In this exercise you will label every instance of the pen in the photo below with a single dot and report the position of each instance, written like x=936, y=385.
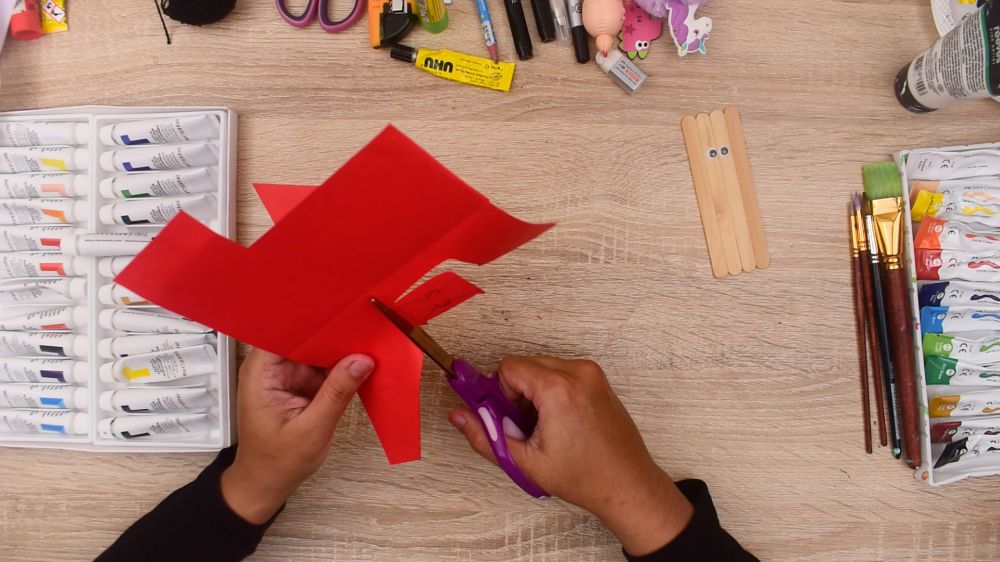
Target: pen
x=488, y=35
x=544, y=20
x=581, y=44
x=518, y=28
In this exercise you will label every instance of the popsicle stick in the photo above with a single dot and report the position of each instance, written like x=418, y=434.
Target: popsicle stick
x=702, y=192
x=731, y=184
x=738, y=146
x=723, y=213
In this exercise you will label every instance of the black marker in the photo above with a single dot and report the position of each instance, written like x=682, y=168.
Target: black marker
x=581, y=42
x=544, y=19
x=518, y=28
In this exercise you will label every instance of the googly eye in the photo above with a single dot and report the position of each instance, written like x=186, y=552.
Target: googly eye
x=713, y=153
x=724, y=150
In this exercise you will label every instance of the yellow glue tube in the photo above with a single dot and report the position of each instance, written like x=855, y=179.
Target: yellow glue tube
x=458, y=67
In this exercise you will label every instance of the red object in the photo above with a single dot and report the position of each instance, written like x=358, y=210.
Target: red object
x=26, y=25
x=928, y=263
x=303, y=290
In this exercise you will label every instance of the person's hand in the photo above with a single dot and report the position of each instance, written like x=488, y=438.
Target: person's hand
x=586, y=450
x=287, y=413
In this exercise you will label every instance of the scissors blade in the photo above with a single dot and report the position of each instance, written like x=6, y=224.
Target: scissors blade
x=420, y=338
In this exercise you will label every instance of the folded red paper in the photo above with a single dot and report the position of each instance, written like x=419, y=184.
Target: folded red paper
x=378, y=225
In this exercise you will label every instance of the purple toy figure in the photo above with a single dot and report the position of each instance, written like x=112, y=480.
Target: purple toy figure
x=689, y=32
x=638, y=31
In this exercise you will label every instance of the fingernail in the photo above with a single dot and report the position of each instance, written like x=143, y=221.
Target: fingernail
x=360, y=368
x=458, y=420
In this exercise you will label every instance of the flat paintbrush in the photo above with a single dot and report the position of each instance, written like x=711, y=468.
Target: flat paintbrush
x=876, y=355
x=859, y=326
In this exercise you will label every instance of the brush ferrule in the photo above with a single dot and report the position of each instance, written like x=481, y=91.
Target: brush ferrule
x=887, y=215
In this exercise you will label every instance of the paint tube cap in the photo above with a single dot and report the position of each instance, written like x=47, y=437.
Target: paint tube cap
x=106, y=188
x=81, y=316
x=81, y=185
x=80, y=347
x=104, y=428
x=80, y=395
x=107, y=161
x=105, y=318
x=81, y=133
x=107, y=373
x=81, y=372
x=404, y=53
x=81, y=421
x=77, y=286
x=104, y=295
x=104, y=401
x=104, y=348
x=81, y=159
x=106, y=215
x=106, y=135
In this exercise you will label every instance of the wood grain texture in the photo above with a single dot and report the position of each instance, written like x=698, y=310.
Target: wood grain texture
x=749, y=382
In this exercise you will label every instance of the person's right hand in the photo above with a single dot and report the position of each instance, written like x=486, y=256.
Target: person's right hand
x=586, y=450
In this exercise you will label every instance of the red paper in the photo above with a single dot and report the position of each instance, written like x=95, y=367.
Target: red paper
x=373, y=229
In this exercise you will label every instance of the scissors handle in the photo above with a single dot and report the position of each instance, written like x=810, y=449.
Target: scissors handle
x=319, y=8
x=499, y=417
x=301, y=20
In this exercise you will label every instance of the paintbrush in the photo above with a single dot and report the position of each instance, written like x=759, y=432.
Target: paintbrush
x=876, y=355
x=884, y=190
x=859, y=326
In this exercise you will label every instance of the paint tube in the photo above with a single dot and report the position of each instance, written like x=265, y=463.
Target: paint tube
x=42, y=396
x=946, y=265
x=58, y=344
x=959, y=293
x=951, y=165
x=969, y=450
x=937, y=234
x=162, y=366
x=124, y=346
x=61, y=290
x=185, y=128
x=161, y=157
x=43, y=369
x=986, y=188
x=41, y=264
x=50, y=318
x=117, y=295
x=107, y=244
x=156, y=210
x=43, y=159
x=982, y=351
x=955, y=207
x=940, y=370
x=956, y=319
x=50, y=422
x=35, y=186
x=972, y=403
x=964, y=64
x=42, y=211
x=175, y=426
x=169, y=183
x=41, y=133
x=954, y=430
x=34, y=238
x=148, y=322
x=111, y=267
x=146, y=400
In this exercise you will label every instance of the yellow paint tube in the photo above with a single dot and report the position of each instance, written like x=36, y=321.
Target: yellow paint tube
x=54, y=16
x=458, y=67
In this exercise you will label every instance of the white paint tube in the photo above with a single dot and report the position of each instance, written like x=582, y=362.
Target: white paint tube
x=148, y=322
x=163, y=426
x=42, y=211
x=49, y=422
x=41, y=133
x=60, y=318
x=35, y=186
x=955, y=319
x=162, y=366
x=110, y=267
x=161, y=157
x=124, y=346
x=43, y=159
x=985, y=188
x=34, y=238
x=43, y=396
x=185, y=128
x=968, y=403
x=41, y=264
x=61, y=290
x=958, y=372
x=43, y=369
x=169, y=183
x=58, y=344
x=117, y=295
x=950, y=165
x=156, y=210
x=148, y=400
x=107, y=244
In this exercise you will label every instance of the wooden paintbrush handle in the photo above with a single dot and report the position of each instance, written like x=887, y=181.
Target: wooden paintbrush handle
x=897, y=300
x=866, y=279
x=860, y=336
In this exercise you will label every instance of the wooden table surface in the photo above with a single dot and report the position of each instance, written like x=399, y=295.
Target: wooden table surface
x=749, y=383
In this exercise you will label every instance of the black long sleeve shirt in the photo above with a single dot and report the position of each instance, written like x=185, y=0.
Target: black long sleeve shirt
x=194, y=524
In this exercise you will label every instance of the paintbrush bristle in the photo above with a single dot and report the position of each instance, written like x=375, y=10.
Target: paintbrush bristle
x=856, y=198
x=881, y=180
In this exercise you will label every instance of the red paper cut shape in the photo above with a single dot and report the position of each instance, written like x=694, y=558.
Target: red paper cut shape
x=373, y=229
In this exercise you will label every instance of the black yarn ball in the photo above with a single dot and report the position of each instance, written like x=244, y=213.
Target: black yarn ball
x=197, y=12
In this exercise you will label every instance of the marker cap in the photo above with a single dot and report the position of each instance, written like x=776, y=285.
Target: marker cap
x=106, y=135
x=80, y=395
x=81, y=159
x=104, y=348
x=107, y=373
x=81, y=186
x=106, y=187
x=77, y=265
x=80, y=347
x=81, y=423
x=104, y=295
x=104, y=428
x=105, y=318
x=107, y=161
x=81, y=133
x=80, y=316
x=104, y=401
x=81, y=372
x=77, y=286
x=106, y=214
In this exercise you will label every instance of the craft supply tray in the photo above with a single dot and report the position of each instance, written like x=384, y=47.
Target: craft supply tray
x=926, y=471
x=222, y=383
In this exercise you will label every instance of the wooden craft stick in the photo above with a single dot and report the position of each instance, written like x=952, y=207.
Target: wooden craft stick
x=731, y=185
x=723, y=213
x=702, y=192
x=737, y=145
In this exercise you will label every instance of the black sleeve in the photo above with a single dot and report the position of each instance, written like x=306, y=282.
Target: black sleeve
x=192, y=524
x=703, y=538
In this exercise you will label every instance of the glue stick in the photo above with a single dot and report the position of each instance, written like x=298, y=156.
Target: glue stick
x=433, y=15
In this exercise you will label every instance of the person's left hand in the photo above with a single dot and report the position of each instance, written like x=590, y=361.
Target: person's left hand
x=287, y=414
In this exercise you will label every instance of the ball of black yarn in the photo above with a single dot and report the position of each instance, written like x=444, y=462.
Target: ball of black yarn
x=197, y=12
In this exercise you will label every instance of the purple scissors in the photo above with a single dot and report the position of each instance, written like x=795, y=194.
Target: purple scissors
x=482, y=394
x=320, y=9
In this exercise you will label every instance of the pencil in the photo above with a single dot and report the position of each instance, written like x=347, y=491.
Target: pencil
x=859, y=326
